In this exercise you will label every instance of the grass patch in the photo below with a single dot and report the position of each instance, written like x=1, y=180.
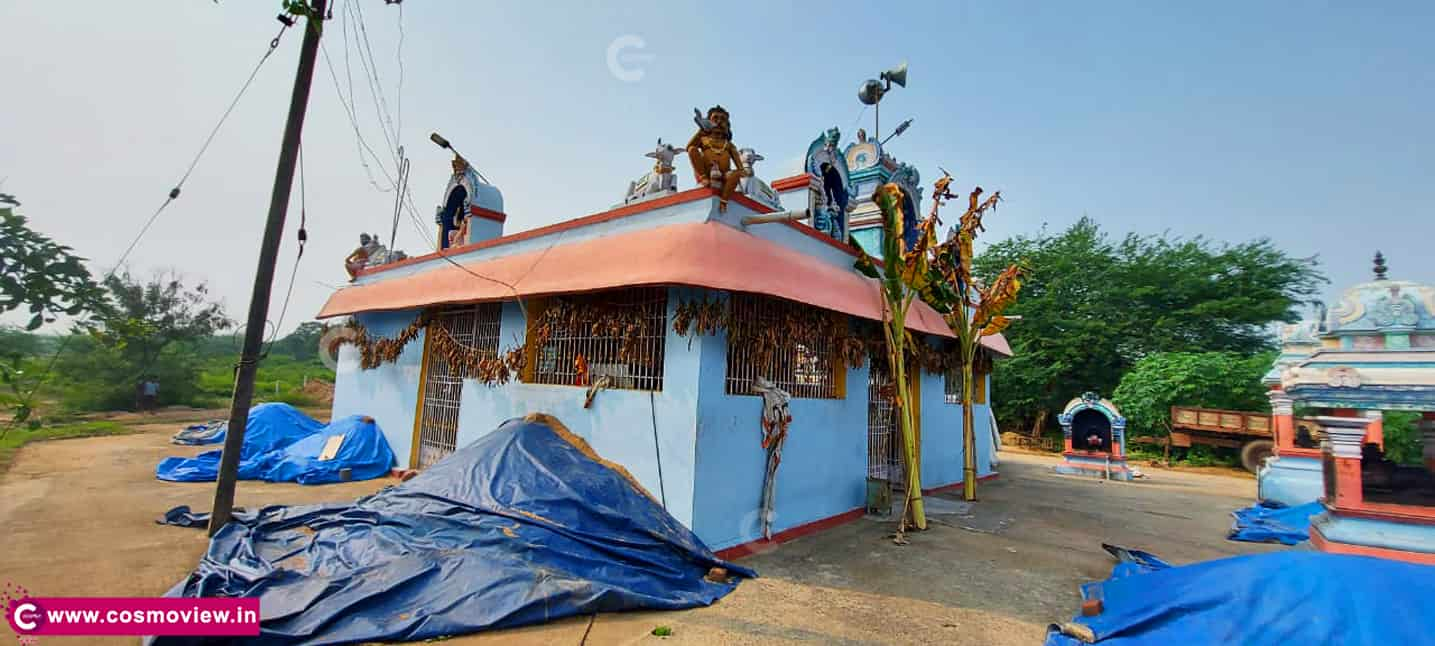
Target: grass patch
x=18, y=437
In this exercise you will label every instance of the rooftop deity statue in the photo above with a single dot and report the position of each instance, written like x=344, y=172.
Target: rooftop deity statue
x=716, y=161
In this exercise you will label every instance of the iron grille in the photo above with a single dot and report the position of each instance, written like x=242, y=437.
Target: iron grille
x=475, y=326
x=952, y=385
x=640, y=368
x=800, y=370
x=884, y=458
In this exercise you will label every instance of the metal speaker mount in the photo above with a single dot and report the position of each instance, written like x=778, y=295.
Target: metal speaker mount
x=871, y=92
x=896, y=75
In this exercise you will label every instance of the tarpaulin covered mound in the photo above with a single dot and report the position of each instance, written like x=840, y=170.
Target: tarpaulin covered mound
x=211, y=432
x=300, y=451
x=525, y=525
x=271, y=426
x=1293, y=597
x=1272, y=522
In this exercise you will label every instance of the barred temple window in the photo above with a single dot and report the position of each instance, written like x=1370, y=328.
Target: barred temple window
x=475, y=326
x=804, y=367
x=952, y=385
x=952, y=381
x=618, y=334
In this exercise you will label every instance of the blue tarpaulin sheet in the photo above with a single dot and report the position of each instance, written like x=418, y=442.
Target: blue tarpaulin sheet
x=1272, y=522
x=1291, y=597
x=211, y=432
x=272, y=425
x=282, y=444
x=520, y=527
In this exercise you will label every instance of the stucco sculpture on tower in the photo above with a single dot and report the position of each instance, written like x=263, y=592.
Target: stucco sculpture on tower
x=660, y=180
x=716, y=162
x=775, y=418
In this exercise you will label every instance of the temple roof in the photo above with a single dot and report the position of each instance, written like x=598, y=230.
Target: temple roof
x=709, y=254
x=1383, y=305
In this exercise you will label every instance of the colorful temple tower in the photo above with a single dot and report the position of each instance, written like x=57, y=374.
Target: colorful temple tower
x=1377, y=354
x=871, y=167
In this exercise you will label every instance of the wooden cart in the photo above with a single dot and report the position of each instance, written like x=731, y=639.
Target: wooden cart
x=1250, y=433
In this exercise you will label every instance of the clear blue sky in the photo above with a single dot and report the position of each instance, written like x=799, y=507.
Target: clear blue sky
x=1308, y=123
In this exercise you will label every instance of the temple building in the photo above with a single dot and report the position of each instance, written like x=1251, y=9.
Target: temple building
x=1376, y=354
x=713, y=340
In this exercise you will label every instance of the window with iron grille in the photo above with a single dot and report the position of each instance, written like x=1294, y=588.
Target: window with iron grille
x=952, y=385
x=802, y=369
x=616, y=334
x=475, y=326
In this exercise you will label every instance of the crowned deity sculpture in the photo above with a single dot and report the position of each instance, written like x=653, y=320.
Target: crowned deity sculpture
x=716, y=161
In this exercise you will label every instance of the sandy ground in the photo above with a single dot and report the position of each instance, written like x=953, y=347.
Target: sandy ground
x=77, y=519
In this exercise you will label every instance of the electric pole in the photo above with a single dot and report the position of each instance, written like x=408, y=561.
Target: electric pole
x=264, y=275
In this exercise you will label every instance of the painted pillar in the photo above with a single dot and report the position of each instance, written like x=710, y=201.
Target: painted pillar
x=1118, y=437
x=1344, y=437
x=1282, y=419
x=1065, y=421
x=1427, y=437
x=1375, y=431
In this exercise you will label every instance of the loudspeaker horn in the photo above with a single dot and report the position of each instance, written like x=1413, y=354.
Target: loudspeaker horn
x=896, y=75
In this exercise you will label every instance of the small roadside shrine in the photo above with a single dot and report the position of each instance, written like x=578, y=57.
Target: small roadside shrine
x=1377, y=353
x=714, y=340
x=1095, y=436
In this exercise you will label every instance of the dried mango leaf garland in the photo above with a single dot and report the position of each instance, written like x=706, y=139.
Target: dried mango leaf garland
x=781, y=328
x=582, y=315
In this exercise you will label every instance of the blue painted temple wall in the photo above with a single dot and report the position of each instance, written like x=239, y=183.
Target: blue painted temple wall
x=824, y=460
x=712, y=460
x=388, y=393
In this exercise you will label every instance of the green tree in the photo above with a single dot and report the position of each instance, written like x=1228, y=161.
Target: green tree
x=303, y=342
x=1403, y=444
x=1207, y=379
x=39, y=274
x=140, y=320
x=1092, y=307
x=141, y=328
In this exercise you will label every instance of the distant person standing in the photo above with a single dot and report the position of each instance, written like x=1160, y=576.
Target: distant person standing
x=149, y=394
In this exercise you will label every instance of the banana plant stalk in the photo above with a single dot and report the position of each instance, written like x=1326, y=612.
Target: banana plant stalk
x=976, y=312
x=897, y=296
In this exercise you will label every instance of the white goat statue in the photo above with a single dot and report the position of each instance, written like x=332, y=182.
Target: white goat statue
x=659, y=180
x=753, y=187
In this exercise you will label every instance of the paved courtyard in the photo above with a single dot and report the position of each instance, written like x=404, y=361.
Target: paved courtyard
x=78, y=520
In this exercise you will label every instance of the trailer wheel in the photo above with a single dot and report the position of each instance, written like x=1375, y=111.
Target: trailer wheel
x=1255, y=452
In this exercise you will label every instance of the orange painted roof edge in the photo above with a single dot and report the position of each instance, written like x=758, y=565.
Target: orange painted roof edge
x=699, y=254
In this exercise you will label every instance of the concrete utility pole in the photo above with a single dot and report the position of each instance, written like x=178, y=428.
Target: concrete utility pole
x=264, y=275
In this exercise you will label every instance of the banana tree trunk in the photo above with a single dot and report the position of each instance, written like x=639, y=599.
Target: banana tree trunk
x=896, y=337
x=969, y=432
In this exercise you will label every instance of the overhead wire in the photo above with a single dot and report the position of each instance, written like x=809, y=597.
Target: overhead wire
x=363, y=144
x=303, y=238
x=174, y=192
x=170, y=198
x=363, y=47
